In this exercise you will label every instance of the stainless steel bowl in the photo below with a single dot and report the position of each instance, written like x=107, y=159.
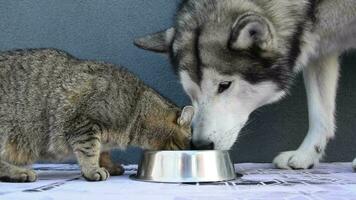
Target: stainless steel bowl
x=185, y=167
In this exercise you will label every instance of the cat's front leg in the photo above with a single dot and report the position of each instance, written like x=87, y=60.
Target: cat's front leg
x=86, y=147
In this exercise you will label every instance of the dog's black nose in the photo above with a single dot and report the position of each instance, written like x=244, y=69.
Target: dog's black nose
x=200, y=145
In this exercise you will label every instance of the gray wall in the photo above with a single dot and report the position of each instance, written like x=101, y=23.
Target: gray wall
x=104, y=30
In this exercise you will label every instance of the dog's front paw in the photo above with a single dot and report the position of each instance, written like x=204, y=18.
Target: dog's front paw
x=296, y=160
x=354, y=164
x=99, y=174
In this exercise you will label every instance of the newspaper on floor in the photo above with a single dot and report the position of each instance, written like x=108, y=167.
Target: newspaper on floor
x=259, y=181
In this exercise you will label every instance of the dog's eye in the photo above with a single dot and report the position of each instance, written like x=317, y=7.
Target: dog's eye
x=223, y=86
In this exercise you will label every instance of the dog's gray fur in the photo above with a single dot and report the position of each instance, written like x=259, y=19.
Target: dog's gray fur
x=52, y=105
x=263, y=43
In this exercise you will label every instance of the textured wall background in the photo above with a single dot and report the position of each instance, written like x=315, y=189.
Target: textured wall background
x=104, y=30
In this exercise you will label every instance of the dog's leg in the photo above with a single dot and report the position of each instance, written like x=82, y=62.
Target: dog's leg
x=321, y=79
x=354, y=164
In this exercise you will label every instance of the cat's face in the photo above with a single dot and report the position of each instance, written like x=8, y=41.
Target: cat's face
x=180, y=132
x=180, y=139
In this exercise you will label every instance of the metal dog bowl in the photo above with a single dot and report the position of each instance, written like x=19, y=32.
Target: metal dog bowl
x=185, y=167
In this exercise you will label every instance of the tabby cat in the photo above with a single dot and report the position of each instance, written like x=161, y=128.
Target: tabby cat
x=53, y=105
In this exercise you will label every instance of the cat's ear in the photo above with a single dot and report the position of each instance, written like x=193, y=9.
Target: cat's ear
x=157, y=42
x=186, y=117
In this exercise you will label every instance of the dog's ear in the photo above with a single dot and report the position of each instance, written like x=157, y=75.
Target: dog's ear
x=249, y=30
x=157, y=42
x=186, y=117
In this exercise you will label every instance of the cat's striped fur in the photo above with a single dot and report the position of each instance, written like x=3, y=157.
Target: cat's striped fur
x=52, y=105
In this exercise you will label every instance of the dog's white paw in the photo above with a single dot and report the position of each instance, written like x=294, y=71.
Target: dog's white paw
x=296, y=160
x=354, y=164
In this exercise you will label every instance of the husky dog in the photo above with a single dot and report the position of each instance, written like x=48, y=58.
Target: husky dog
x=234, y=56
x=53, y=105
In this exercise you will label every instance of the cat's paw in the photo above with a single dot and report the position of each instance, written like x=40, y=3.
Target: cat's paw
x=354, y=164
x=98, y=174
x=296, y=160
x=19, y=175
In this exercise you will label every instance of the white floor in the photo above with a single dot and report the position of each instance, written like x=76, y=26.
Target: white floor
x=260, y=181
